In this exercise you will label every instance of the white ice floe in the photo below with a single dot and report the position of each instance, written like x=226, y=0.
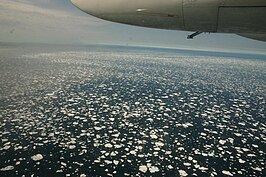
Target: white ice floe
x=251, y=155
x=72, y=147
x=108, y=162
x=182, y=173
x=154, y=169
x=257, y=168
x=255, y=145
x=222, y=142
x=117, y=146
x=241, y=161
x=185, y=125
x=228, y=173
x=238, y=134
x=116, y=162
x=201, y=168
x=37, y=157
x=231, y=140
x=153, y=136
x=170, y=167
x=143, y=168
x=133, y=152
x=63, y=164
x=6, y=147
x=150, y=119
x=97, y=128
x=8, y=168
x=108, y=145
x=159, y=144
x=187, y=164
x=113, y=154
x=245, y=149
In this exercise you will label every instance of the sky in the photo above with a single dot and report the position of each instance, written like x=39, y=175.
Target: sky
x=59, y=22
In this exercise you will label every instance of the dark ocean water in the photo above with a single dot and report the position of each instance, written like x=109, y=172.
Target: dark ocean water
x=130, y=111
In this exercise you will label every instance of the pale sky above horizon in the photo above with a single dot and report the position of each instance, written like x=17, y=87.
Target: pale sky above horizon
x=58, y=21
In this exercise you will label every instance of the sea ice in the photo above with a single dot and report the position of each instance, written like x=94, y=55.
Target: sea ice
x=159, y=144
x=154, y=169
x=108, y=145
x=182, y=173
x=8, y=168
x=222, y=142
x=228, y=173
x=37, y=157
x=143, y=168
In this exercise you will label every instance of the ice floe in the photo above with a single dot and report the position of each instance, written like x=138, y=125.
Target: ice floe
x=37, y=157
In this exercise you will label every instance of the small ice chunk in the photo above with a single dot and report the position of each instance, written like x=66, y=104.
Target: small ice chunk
x=238, y=134
x=150, y=119
x=113, y=154
x=222, y=142
x=108, y=162
x=117, y=146
x=6, y=147
x=116, y=162
x=186, y=125
x=63, y=164
x=70, y=115
x=143, y=168
x=182, y=173
x=203, y=134
x=75, y=123
x=8, y=168
x=203, y=168
x=251, y=155
x=228, y=173
x=181, y=148
x=159, y=144
x=255, y=145
x=133, y=152
x=257, y=168
x=241, y=161
x=72, y=147
x=108, y=145
x=231, y=140
x=154, y=169
x=153, y=136
x=187, y=164
x=170, y=167
x=245, y=149
x=37, y=157
x=97, y=128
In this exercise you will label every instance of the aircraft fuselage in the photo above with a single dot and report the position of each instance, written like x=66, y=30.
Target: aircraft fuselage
x=243, y=17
